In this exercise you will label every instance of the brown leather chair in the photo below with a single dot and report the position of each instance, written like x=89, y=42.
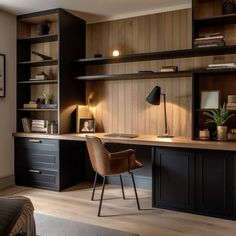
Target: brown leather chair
x=106, y=164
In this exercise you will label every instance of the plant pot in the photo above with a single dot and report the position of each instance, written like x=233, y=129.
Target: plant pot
x=221, y=133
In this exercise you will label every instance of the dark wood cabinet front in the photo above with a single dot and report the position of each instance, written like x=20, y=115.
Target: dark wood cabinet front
x=214, y=182
x=198, y=181
x=173, y=178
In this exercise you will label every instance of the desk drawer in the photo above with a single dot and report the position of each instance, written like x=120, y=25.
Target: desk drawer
x=41, y=154
x=37, y=178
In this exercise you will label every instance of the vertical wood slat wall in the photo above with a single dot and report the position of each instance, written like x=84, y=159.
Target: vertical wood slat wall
x=120, y=106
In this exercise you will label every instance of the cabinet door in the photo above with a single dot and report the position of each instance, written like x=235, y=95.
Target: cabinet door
x=173, y=178
x=214, y=182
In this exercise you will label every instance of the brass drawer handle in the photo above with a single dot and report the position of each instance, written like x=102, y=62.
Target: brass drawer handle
x=35, y=140
x=35, y=171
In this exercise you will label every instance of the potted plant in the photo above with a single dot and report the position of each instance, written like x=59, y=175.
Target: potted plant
x=219, y=117
x=47, y=98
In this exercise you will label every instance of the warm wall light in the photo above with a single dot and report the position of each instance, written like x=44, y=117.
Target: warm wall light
x=154, y=98
x=115, y=53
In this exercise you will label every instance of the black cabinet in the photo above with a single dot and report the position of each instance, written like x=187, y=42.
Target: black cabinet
x=198, y=181
x=173, y=178
x=49, y=164
x=214, y=182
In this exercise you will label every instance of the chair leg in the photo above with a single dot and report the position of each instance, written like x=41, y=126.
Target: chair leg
x=103, y=187
x=94, y=185
x=135, y=191
x=122, y=187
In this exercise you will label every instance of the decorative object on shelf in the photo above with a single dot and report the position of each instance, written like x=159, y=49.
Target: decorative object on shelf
x=43, y=57
x=210, y=99
x=204, y=134
x=82, y=112
x=219, y=117
x=209, y=40
x=47, y=98
x=231, y=136
x=26, y=124
x=97, y=54
x=52, y=127
x=87, y=125
x=154, y=98
x=115, y=53
x=40, y=76
x=228, y=7
x=43, y=28
x=39, y=126
x=2, y=75
x=169, y=69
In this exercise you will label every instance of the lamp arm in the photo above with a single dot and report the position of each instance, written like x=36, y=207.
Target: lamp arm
x=164, y=96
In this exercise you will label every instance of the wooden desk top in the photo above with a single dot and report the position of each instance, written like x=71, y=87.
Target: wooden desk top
x=149, y=140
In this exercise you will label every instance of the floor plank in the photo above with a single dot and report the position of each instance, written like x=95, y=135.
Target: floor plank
x=74, y=204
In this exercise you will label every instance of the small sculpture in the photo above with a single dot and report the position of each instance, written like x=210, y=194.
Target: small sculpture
x=43, y=28
x=43, y=57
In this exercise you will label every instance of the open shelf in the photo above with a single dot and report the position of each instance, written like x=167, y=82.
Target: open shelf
x=182, y=53
x=36, y=109
x=216, y=20
x=136, y=75
x=39, y=39
x=39, y=63
x=38, y=82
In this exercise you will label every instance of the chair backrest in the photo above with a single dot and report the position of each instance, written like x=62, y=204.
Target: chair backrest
x=98, y=155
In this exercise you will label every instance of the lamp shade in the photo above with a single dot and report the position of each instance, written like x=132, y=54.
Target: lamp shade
x=155, y=96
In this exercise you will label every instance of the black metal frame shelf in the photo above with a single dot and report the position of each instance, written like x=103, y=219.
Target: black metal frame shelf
x=216, y=20
x=140, y=75
x=39, y=39
x=39, y=63
x=38, y=82
x=36, y=109
x=182, y=53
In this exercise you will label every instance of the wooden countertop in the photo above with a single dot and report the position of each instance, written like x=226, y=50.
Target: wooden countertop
x=150, y=140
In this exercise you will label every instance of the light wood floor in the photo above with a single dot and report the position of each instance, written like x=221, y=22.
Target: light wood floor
x=75, y=204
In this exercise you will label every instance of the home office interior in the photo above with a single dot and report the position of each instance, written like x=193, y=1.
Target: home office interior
x=118, y=118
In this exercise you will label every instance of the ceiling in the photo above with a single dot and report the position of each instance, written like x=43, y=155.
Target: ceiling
x=96, y=10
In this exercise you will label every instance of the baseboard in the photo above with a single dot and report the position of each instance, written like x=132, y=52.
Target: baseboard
x=7, y=181
x=144, y=182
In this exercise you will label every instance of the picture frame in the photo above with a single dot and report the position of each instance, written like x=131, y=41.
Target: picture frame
x=2, y=75
x=210, y=99
x=87, y=125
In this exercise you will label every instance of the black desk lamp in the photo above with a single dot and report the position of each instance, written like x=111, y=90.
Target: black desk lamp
x=154, y=98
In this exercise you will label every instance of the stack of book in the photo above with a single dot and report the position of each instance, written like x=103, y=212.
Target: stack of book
x=231, y=105
x=209, y=40
x=49, y=106
x=169, y=69
x=40, y=76
x=39, y=126
x=31, y=105
x=221, y=66
x=26, y=123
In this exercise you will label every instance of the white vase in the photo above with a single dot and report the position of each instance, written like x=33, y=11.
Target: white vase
x=221, y=133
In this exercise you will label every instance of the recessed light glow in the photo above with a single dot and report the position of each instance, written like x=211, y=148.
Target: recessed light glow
x=115, y=53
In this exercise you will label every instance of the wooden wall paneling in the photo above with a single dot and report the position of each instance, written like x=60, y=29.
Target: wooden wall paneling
x=121, y=105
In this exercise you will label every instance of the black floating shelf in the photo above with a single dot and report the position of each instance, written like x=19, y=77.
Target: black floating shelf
x=36, y=109
x=39, y=39
x=39, y=63
x=217, y=20
x=215, y=71
x=38, y=82
x=136, y=76
x=182, y=53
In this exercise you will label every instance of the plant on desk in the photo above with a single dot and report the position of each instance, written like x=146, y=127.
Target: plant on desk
x=219, y=117
x=47, y=98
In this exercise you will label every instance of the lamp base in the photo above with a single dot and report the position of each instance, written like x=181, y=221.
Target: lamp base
x=165, y=136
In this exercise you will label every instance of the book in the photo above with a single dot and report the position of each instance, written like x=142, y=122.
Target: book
x=209, y=38
x=169, y=69
x=30, y=105
x=49, y=106
x=222, y=64
x=39, y=126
